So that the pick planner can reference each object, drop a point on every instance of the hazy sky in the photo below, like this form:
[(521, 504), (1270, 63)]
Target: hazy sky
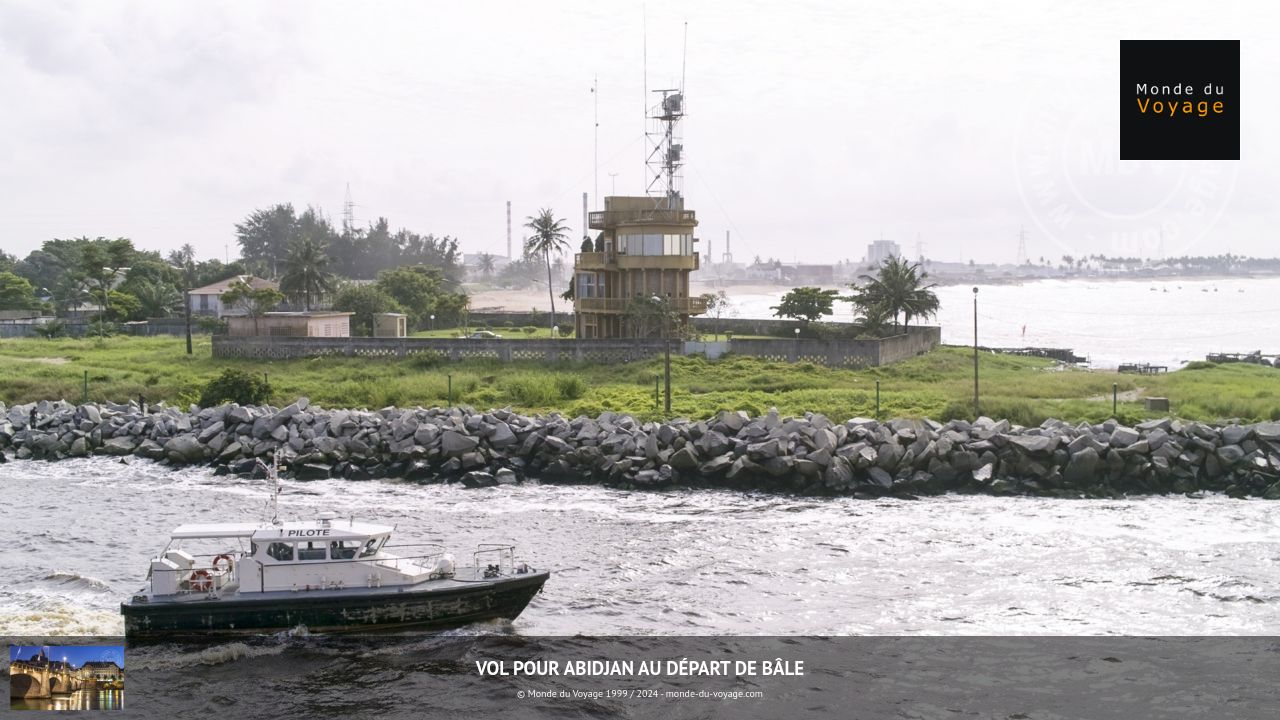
[(813, 127)]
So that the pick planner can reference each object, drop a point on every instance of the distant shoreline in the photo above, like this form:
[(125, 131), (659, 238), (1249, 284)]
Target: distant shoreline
[(498, 300)]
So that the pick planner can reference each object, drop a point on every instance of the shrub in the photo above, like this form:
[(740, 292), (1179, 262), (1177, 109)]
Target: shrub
[(236, 386), (570, 387), (50, 330), (529, 330), (101, 328), (1200, 365), (211, 325)]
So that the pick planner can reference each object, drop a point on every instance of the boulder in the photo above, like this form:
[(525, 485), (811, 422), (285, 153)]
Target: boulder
[(454, 443)]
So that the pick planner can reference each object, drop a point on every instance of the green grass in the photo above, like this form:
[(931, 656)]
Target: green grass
[(937, 385)]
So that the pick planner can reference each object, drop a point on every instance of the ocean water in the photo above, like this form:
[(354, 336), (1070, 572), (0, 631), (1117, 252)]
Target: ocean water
[(693, 562), (1162, 322)]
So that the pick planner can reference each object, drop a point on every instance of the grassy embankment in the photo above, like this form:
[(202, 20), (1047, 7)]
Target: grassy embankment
[(938, 385)]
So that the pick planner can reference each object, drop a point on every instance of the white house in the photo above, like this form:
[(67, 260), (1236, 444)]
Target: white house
[(207, 300)]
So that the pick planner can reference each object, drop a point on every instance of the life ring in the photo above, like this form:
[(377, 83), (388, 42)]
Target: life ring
[(230, 562), (201, 581)]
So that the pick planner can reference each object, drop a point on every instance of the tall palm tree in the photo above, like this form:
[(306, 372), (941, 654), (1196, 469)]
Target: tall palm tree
[(895, 290), (486, 264), (549, 235), (306, 273)]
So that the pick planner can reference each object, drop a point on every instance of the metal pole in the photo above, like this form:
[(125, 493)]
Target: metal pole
[(1115, 398), (976, 411), (85, 394), (877, 399), (188, 316), (666, 369), (657, 393), (450, 377)]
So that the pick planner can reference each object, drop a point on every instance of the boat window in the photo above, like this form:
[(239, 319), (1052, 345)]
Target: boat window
[(280, 551), (371, 547), (343, 549), (310, 552)]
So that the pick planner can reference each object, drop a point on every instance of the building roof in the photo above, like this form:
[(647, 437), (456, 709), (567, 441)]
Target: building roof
[(222, 286), (306, 314)]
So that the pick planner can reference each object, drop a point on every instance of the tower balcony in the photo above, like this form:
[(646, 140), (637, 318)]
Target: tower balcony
[(680, 305), (615, 261)]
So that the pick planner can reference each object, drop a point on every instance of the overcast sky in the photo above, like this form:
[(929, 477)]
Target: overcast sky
[(813, 127)]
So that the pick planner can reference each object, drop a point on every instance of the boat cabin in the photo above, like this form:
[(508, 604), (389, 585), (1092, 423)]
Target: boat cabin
[(325, 553)]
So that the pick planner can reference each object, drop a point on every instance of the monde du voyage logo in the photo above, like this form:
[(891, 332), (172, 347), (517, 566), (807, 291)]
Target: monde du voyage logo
[(1179, 99)]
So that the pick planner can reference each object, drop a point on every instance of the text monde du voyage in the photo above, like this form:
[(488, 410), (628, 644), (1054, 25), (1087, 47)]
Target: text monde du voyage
[(1180, 100)]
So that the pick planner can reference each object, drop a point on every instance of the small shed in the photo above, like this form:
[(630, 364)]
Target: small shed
[(393, 325), (292, 324)]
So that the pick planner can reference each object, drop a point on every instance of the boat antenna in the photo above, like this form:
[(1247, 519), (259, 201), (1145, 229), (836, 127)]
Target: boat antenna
[(274, 475)]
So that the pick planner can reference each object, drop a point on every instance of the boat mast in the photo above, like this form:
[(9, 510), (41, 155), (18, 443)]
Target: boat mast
[(274, 474)]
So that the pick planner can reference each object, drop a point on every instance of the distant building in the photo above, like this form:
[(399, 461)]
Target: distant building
[(809, 274), (646, 252), (390, 325), (292, 324), (104, 670), (471, 262), (880, 250), (207, 300), (769, 270)]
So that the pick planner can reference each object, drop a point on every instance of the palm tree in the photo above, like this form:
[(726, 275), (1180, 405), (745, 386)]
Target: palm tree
[(486, 264), (896, 290), (306, 272), (182, 257), (549, 235), (159, 300)]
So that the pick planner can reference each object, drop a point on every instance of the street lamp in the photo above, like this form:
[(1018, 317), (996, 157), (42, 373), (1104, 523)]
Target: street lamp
[(666, 353), (433, 323), (796, 350), (976, 413)]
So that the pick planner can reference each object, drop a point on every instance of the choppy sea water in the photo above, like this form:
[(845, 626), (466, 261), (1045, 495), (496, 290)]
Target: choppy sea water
[(693, 562), (1158, 321)]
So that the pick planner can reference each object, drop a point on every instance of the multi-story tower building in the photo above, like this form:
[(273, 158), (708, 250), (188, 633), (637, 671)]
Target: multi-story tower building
[(644, 251)]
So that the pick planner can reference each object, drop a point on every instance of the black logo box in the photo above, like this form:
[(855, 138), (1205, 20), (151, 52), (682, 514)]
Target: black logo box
[(1189, 65)]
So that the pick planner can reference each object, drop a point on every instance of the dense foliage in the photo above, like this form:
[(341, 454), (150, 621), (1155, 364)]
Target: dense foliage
[(236, 386)]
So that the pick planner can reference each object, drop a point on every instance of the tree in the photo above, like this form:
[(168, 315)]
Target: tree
[(183, 256), (255, 302), (365, 301), (100, 264), (649, 315), (717, 306), (306, 273), (7, 261), (16, 293), (122, 306), (156, 300), (420, 291), (549, 236), (806, 304), (486, 264), (897, 289), (264, 236)]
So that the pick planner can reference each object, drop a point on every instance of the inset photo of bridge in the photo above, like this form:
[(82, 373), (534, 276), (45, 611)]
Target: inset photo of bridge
[(66, 677)]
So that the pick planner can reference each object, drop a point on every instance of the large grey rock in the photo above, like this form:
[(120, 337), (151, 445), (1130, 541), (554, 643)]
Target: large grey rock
[(1082, 467), (184, 448), (120, 445), (454, 443)]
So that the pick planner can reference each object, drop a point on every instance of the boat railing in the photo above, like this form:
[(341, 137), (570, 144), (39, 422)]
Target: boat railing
[(494, 555), (402, 563)]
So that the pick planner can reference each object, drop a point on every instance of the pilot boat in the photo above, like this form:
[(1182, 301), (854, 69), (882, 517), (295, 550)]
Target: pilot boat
[(327, 574)]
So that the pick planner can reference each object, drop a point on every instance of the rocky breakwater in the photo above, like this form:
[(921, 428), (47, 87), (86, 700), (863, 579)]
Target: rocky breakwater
[(809, 454)]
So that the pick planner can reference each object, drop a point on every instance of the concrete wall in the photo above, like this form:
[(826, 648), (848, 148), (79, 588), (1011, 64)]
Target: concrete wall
[(836, 353)]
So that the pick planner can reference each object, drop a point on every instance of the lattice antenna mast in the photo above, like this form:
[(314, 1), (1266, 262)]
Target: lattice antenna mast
[(666, 152), (1022, 246), (348, 213)]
